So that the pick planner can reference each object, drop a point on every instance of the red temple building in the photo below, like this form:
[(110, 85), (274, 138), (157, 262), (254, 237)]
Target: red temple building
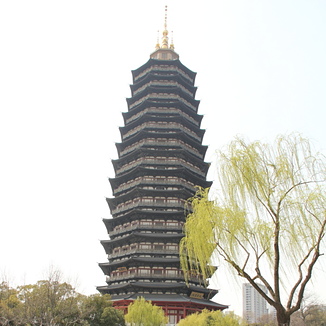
[(161, 161)]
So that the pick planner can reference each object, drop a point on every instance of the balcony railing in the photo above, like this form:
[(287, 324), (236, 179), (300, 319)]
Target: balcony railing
[(163, 96), (166, 143), (160, 111), (145, 227), (158, 163), (157, 126), (163, 83), (148, 205), (163, 182), (151, 276), (144, 251), (173, 69)]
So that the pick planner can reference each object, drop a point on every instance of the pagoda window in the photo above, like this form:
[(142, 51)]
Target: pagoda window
[(172, 224), (172, 318), (160, 187), (143, 271), (172, 247), (132, 271), (160, 199), (158, 247), (157, 271), (145, 246), (160, 178), (148, 187), (171, 273), (146, 222)]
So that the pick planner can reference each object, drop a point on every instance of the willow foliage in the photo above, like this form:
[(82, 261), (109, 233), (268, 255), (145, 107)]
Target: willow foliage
[(211, 318), (143, 313), (270, 208)]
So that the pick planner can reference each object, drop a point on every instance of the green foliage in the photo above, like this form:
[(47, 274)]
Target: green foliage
[(211, 318), (143, 313), (10, 305), (98, 311), (54, 303), (49, 302), (270, 209)]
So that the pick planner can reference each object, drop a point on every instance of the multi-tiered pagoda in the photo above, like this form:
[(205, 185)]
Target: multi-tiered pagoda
[(161, 161)]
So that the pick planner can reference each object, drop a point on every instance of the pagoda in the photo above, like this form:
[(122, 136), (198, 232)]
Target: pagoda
[(160, 164)]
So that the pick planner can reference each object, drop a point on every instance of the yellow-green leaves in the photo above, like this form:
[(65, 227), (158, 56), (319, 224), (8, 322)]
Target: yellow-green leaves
[(143, 313), (211, 318), (270, 211)]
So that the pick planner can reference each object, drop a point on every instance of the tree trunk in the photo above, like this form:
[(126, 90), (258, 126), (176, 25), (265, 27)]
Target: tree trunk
[(283, 318)]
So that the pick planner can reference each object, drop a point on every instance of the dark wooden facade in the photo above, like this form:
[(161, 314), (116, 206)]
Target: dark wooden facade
[(161, 161)]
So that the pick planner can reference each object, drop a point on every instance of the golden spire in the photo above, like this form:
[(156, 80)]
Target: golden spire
[(158, 41), (164, 51), (165, 39), (172, 43)]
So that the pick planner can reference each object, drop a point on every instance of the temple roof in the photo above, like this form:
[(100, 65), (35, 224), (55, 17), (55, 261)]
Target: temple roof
[(133, 236), (171, 297), (149, 104), (107, 267)]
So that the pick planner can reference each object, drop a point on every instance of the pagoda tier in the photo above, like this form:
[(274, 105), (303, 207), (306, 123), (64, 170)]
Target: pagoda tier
[(172, 80), (154, 220), (180, 176), (164, 68), (160, 163), (160, 159), (170, 123), (157, 108), (161, 141)]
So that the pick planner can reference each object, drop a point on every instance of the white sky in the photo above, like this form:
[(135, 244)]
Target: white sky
[(65, 70)]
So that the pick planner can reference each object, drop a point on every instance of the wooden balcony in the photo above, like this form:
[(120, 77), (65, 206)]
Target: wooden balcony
[(145, 227), (128, 276), (136, 252)]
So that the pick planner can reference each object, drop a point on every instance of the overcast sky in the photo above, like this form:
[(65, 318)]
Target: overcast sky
[(65, 71)]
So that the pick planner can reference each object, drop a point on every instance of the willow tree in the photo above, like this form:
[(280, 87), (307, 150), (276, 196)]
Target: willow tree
[(211, 318), (267, 220), (144, 313)]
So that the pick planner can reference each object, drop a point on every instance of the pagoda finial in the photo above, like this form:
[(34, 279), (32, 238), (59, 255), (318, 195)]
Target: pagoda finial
[(164, 50), (166, 17), (158, 41), (172, 43), (165, 39)]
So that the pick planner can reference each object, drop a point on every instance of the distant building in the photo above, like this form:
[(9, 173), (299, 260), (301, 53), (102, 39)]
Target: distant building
[(254, 305)]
